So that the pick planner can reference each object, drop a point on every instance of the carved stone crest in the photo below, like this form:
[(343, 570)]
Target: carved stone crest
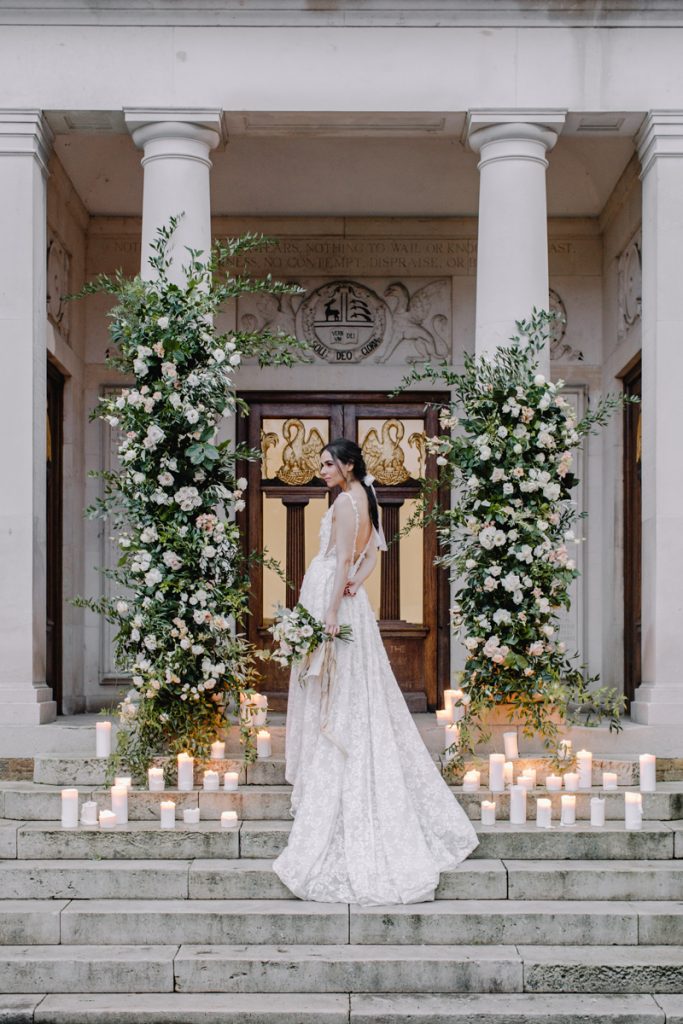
[(560, 350), (414, 320), (342, 321), (629, 286), (58, 268)]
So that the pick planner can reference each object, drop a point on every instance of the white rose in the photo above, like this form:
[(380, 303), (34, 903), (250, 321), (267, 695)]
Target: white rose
[(154, 435), (539, 380), (209, 551), (441, 460), (484, 453), (470, 564), (218, 354), (165, 479), (153, 577), (169, 370), (140, 367), (149, 534), (508, 488), (242, 483), (502, 432), (175, 400), (122, 608), (235, 359), (517, 449), (191, 415), (163, 322), (502, 615)]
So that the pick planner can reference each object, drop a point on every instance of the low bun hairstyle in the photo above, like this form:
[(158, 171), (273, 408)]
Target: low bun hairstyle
[(344, 452)]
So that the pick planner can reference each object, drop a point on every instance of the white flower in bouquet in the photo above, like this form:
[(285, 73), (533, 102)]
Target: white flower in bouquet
[(153, 577), (191, 415), (172, 560), (154, 435), (122, 608), (218, 355), (188, 498), (163, 323)]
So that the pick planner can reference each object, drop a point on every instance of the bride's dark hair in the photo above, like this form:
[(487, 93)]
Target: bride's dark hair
[(344, 451)]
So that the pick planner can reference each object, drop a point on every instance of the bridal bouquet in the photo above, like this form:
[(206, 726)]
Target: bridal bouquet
[(297, 634)]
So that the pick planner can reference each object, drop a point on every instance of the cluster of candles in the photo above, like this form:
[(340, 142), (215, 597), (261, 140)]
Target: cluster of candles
[(501, 777)]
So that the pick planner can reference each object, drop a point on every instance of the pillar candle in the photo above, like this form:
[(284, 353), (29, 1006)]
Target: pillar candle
[(155, 780), (211, 781), (191, 815), (69, 808), (564, 751), (102, 739), (217, 750), (457, 706), (553, 783), (530, 773), (444, 717), (609, 780), (497, 773), (571, 781), (488, 812), (511, 749), (123, 780), (230, 780), (544, 810), (167, 814), (228, 819), (185, 772), (584, 763), (633, 810), (119, 803), (452, 735), (526, 782), (263, 745), (108, 819), (89, 813), (470, 783), (597, 810), (517, 805), (568, 809), (259, 713), (648, 773), (508, 769), (450, 698)]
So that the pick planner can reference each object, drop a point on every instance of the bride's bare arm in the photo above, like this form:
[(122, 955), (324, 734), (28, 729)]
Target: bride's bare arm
[(345, 528), (363, 571)]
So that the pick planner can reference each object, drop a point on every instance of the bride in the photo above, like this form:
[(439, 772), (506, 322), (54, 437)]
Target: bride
[(374, 822)]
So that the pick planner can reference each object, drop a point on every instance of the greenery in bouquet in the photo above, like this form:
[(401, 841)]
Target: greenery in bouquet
[(297, 633), (507, 451), (181, 584)]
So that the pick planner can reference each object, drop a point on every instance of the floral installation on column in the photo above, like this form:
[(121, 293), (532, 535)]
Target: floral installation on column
[(506, 450), (182, 576)]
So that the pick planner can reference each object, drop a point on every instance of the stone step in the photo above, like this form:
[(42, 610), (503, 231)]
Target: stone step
[(180, 1008), (508, 1009), (502, 841), (594, 880), (143, 840), (459, 922), (653, 969), (302, 1008), (88, 968), (38, 802)]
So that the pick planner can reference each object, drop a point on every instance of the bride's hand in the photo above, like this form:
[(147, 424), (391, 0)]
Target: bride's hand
[(331, 623), (351, 589)]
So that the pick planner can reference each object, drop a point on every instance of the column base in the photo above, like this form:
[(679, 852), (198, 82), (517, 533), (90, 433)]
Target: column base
[(23, 706), (658, 705)]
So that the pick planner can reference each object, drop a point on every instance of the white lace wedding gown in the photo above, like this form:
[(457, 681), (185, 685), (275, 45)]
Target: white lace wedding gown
[(374, 822)]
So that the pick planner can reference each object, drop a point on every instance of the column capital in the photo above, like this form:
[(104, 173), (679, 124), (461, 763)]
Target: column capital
[(660, 135), (551, 119), (26, 133), (175, 120)]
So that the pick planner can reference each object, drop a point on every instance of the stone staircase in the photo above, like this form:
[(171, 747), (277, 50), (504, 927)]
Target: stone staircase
[(191, 926)]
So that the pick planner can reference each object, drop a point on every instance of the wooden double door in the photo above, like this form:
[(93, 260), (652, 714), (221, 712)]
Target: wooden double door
[(286, 500)]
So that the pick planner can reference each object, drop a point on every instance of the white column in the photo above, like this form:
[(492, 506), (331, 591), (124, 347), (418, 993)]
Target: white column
[(176, 146), (24, 144), (659, 700), (512, 248)]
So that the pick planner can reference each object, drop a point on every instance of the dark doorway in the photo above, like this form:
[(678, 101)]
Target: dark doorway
[(54, 470), (632, 531)]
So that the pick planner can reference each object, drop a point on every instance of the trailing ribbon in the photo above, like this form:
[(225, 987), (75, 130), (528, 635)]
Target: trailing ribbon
[(321, 666)]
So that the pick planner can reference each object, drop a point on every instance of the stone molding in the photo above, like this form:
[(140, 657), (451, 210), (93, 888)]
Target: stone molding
[(660, 136), (26, 133), (200, 117), (630, 286)]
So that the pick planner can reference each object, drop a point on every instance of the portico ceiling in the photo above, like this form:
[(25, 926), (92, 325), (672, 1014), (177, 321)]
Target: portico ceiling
[(344, 165)]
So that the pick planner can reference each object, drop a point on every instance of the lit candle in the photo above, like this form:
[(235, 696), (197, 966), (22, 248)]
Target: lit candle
[(452, 735), (102, 739), (530, 773), (497, 773), (69, 808), (553, 783), (89, 813), (228, 819), (508, 769), (191, 815), (648, 773), (517, 805), (564, 751), (444, 717), (568, 809), (211, 781), (259, 714), (511, 748), (167, 814), (119, 803), (457, 704), (263, 745), (217, 750), (544, 810), (571, 781), (633, 810), (470, 783), (155, 780), (488, 812), (123, 780), (451, 697), (108, 819), (597, 810), (584, 762), (526, 782), (230, 780), (185, 772), (609, 780)]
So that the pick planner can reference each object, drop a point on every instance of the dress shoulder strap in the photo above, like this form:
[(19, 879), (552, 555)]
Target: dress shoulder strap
[(354, 505)]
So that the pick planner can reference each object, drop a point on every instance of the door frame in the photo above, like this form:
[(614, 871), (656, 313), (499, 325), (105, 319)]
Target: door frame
[(54, 533), (436, 584), (631, 378)]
